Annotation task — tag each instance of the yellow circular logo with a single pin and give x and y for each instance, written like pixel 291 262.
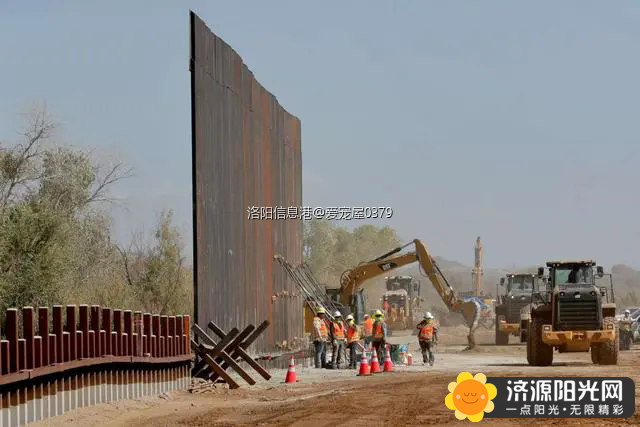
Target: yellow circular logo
pixel 470 396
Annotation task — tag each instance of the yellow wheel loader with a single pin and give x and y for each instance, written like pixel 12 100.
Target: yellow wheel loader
pixel 570 314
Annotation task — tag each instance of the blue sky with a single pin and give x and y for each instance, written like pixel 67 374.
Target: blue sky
pixel 516 122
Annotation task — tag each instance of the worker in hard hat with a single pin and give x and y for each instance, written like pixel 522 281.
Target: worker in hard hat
pixel 368 330
pixel 353 335
pixel 427 333
pixel 320 336
pixel 379 338
pixel 338 335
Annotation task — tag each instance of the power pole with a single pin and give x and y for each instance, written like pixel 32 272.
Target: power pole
pixel 477 272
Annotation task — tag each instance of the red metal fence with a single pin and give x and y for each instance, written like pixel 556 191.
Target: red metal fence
pixel 52 361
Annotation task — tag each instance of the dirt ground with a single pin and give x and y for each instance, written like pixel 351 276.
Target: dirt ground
pixel 411 395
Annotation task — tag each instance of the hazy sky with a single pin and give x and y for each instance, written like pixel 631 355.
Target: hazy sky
pixel 515 122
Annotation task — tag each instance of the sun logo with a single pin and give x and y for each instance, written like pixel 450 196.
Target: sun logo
pixel 471 396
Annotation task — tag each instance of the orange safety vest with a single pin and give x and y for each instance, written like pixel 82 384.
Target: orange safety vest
pixel 426 333
pixel 368 327
pixel 352 333
pixel 324 332
pixel 378 332
pixel 338 331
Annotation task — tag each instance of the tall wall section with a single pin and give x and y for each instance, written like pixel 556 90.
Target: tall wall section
pixel 246 153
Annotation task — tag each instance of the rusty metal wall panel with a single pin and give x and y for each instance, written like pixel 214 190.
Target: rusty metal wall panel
pixel 246 152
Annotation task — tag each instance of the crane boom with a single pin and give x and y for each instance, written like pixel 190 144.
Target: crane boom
pixel 352 279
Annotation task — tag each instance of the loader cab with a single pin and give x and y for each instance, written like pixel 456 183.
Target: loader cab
pixel 411 286
pixel 576 302
pixel 518 283
pixel 408 283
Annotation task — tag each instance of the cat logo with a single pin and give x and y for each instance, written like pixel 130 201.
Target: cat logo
pixel 387 266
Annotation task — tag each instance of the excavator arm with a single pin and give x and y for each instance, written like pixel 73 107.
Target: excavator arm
pixel 352 280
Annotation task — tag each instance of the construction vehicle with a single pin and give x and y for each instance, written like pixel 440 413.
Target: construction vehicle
pixel 403 295
pixel 352 280
pixel 517 295
pixel 570 313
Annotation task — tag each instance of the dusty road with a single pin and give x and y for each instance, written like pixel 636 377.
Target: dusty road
pixel 408 396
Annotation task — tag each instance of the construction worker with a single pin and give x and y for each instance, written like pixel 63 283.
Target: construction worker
pixel 320 336
pixel 426 336
pixel 379 334
pixel 368 330
pixel 352 340
pixel 337 333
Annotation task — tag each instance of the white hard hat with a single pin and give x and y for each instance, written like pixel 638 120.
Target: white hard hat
pixel 349 317
pixel 428 315
pixel 378 313
pixel 337 314
pixel 627 311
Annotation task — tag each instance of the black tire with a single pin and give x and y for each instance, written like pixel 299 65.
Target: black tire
pixel 608 351
pixel 501 337
pixel 541 353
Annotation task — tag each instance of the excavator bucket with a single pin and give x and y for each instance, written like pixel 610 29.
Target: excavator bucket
pixel 470 311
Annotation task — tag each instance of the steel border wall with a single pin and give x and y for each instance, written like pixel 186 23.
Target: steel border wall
pixel 246 152
pixel 80 356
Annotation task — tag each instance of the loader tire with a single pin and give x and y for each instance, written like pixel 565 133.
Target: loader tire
pixel 501 337
pixel 541 353
pixel 608 351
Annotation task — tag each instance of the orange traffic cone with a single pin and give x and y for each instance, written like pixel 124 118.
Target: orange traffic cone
pixel 375 364
pixel 409 359
pixel 291 373
pixel 388 366
pixel 364 366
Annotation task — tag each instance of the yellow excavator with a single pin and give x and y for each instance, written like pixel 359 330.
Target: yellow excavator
pixel 351 280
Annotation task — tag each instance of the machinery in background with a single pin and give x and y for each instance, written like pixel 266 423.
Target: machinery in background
pixel 517 295
pixel 477 273
pixel 401 301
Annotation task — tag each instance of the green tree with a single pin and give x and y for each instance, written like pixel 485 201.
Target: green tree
pixel 330 249
pixel 157 272
pixel 51 223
